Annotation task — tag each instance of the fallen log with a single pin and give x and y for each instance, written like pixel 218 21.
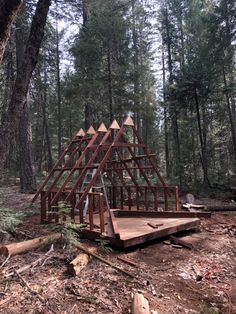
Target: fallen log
pixel 105 261
pixel 140 304
pixel 25 246
pixel 80 262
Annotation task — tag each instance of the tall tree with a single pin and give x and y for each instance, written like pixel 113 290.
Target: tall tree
pixel 12 117
pixel 24 136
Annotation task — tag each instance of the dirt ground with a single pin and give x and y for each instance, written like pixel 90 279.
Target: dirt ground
pixel 173 279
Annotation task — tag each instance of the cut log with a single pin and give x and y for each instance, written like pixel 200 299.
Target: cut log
pixel 140 304
pixel 80 262
pixel 25 246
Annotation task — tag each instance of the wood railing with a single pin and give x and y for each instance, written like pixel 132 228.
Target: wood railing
pixel 95 205
pixel 141 198
pixel 147 198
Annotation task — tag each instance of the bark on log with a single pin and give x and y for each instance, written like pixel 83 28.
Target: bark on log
pixel 80 262
pixel 25 246
pixel 140 304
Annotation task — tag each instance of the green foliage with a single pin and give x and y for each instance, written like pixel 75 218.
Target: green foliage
pixel 10 219
pixel 70 231
pixel 104 245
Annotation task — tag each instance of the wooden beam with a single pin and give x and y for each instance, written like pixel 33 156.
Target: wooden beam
pixel 154 214
pixel 114 224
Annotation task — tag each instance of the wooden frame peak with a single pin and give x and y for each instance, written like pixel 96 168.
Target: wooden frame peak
pixel 129 121
pixel 115 125
pixel 102 128
pixel 91 131
pixel 80 133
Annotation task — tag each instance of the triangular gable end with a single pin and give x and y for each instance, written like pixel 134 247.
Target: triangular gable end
pixel 102 128
pixel 129 121
pixel 80 133
pixel 91 131
pixel 114 125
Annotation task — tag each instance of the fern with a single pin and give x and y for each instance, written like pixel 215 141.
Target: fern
pixel 9 219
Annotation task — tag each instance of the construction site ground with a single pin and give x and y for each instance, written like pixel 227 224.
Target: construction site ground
pixel 174 279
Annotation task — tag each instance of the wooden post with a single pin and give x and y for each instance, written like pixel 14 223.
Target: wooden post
pixel 177 198
pixel 121 198
pixel 50 215
pixel 146 198
pixel 166 198
pixel 43 207
pixel 137 199
pixel 73 203
pixel 114 196
pixel 81 212
pixel 90 208
pixel 155 199
pixel 101 212
pixel 129 198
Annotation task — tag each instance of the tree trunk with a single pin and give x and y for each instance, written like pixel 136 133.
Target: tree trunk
pixel 59 119
pixel 8 11
pixel 206 182
pixel 231 117
pixel 11 119
pixel 110 91
pixel 173 110
pixel 27 174
pixel 25 149
pixel 165 116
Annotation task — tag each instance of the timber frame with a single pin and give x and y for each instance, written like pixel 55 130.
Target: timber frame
pixel 132 179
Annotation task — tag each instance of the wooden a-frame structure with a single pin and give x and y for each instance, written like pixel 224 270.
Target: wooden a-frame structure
pixel 118 157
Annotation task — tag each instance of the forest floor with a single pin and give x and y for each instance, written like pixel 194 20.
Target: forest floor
pixel 168 276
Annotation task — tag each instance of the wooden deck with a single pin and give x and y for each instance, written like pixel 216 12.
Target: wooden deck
pixel 126 229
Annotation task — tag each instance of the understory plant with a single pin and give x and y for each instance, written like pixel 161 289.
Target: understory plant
pixel 9 219
pixel 69 230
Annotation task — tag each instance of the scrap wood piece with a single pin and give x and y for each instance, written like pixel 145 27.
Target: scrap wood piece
pixel 105 261
pixel 25 246
pixel 127 261
pixel 154 226
pixel 191 206
pixel 80 262
pixel 140 304
pixel 181 242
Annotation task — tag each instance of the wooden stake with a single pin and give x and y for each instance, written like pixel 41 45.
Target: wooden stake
pixel 140 304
